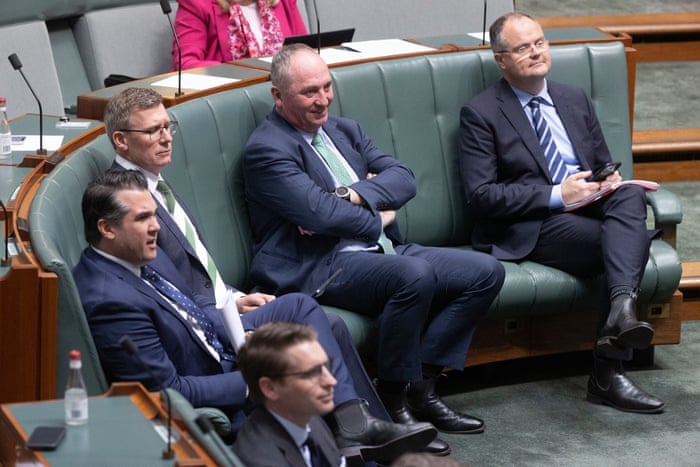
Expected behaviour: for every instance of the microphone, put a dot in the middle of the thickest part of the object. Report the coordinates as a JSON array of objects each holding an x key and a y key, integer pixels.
[
  {"x": 165, "y": 6},
  {"x": 318, "y": 29},
  {"x": 483, "y": 29},
  {"x": 6, "y": 259},
  {"x": 133, "y": 350},
  {"x": 17, "y": 65}
]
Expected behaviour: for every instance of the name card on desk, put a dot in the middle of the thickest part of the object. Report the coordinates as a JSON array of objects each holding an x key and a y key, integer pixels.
[{"x": 194, "y": 81}]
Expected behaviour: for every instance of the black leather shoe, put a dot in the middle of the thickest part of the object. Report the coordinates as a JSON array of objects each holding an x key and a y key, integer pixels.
[
  {"x": 609, "y": 385},
  {"x": 426, "y": 405},
  {"x": 622, "y": 328},
  {"x": 395, "y": 404},
  {"x": 359, "y": 434}
]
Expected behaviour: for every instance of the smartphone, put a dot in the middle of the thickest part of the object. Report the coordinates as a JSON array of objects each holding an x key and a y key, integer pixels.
[
  {"x": 46, "y": 438},
  {"x": 603, "y": 172}
]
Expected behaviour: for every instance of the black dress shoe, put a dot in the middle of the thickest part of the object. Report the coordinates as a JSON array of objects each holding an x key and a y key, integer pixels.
[
  {"x": 360, "y": 435},
  {"x": 609, "y": 385},
  {"x": 426, "y": 405},
  {"x": 395, "y": 404},
  {"x": 622, "y": 328}
]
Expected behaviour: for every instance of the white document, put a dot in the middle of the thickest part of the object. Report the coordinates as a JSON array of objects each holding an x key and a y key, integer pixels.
[
  {"x": 364, "y": 50},
  {"x": 480, "y": 35},
  {"x": 232, "y": 322},
  {"x": 194, "y": 81},
  {"x": 31, "y": 142}
]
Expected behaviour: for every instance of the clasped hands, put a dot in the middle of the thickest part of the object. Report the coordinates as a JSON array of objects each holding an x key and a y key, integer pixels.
[{"x": 575, "y": 187}]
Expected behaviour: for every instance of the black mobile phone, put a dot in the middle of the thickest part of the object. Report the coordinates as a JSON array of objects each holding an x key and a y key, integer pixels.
[
  {"x": 603, "y": 172},
  {"x": 46, "y": 438}
]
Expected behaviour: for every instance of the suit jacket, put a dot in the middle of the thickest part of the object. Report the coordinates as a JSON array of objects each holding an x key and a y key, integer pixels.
[
  {"x": 202, "y": 30},
  {"x": 119, "y": 303},
  {"x": 287, "y": 185},
  {"x": 502, "y": 165},
  {"x": 263, "y": 442}
]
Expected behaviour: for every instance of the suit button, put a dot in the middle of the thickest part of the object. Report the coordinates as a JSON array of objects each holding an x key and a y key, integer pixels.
[{"x": 208, "y": 285}]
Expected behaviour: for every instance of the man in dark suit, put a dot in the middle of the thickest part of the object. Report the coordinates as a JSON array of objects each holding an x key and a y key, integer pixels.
[
  {"x": 287, "y": 372},
  {"x": 128, "y": 286},
  {"x": 323, "y": 200},
  {"x": 528, "y": 147}
]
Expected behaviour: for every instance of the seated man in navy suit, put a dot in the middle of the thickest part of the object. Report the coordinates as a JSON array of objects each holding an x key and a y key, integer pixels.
[
  {"x": 128, "y": 286},
  {"x": 323, "y": 200},
  {"x": 528, "y": 147}
]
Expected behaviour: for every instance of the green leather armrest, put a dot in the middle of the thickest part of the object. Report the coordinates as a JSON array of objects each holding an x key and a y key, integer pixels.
[{"x": 666, "y": 206}]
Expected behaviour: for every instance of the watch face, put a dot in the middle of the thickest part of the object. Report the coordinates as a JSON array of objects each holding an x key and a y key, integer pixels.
[{"x": 342, "y": 192}]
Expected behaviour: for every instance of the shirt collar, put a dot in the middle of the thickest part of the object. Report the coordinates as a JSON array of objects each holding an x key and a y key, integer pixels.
[
  {"x": 125, "y": 264},
  {"x": 297, "y": 433},
  {"x": 525, "y": 97},
  {"x": 151, "y": 178}
]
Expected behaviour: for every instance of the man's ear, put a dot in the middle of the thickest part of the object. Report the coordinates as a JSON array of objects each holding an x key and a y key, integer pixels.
[
  {"x": 105, "y": 228},
  {"x": 269, "y": 388},
  {"x": 118, "y": 137},
  {"x": 499, "y": 61}
]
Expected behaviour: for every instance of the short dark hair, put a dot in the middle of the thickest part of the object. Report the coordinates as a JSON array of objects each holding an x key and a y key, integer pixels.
[
  {"x": 496, "y": 29},
  {"x": 100, "y": 201},
  {"x": 265, "y": 353}
]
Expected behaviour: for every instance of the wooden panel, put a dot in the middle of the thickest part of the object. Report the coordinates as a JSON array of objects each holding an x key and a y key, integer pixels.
[{"x": 20, "y": 335}]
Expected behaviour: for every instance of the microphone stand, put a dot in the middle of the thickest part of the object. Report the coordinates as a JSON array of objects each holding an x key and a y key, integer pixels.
[
  {"x": 165, "y": 6},
  {"x": 17, "y": 65},
  {"x": 483, "y": 28},
  {"x": 133, "y": 350},
  {"x": 318, "y": 29}
]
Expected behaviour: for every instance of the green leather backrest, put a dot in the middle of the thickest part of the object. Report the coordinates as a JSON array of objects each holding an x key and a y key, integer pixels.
[
  {"x": 57, "y": 239},
  {"x": 410, "y": 108}
]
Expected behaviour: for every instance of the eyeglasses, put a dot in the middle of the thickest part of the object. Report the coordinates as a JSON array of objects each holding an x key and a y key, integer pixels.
[
  {"x": 156, "y": 131},
  {"x": 542, "y": 44},
  {"x": 313, "y": 373}
]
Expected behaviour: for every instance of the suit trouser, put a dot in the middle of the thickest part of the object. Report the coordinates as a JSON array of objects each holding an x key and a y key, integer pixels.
[
  {"x": 334, "y": 337},
  {"x": 428, "y": 300},
  {"x": 609, "y": 236}
]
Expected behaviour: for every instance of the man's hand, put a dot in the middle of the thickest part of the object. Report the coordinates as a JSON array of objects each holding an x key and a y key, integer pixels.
[
  {"x": 575, "y": 187},
  {"x": 387, "y": 217},
  {"x": 248, "y": 303},
  {"x": 303, "y": 231},
  {"x": 610, "y": 179}
]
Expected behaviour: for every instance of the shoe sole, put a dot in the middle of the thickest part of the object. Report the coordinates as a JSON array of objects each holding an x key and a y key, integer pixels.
[
  {"x": 474, "y": 431},
  {"x": 596, "y": 399},
  {"x": 638, "y": 337},
  {"x": 388, "y": 452}
]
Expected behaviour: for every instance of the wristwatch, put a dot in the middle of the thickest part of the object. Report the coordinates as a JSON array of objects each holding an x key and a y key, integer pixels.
[{"x": 343, "y": 192}]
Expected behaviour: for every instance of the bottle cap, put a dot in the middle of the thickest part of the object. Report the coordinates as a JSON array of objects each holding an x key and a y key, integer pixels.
[{"x": 74, "y": 355}]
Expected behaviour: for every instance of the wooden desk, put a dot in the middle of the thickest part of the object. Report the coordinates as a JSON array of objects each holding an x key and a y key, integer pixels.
[
  {"x": 92, "y": 105},
  {"x": 121, "y": 430},
  {"x": 658, "y": 37}
]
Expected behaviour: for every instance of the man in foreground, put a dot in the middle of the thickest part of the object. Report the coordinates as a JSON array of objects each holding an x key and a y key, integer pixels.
[{"x": 528, "y": 147}]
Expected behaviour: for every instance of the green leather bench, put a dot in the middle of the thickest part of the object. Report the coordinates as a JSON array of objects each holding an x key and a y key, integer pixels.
[{"x": 410, "y": 108}]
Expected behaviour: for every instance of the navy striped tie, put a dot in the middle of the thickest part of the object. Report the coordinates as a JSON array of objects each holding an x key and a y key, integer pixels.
[{"x": 555, "y": 163}]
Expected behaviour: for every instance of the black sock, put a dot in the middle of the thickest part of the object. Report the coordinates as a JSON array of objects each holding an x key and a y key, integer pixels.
[{"x": 431, "y": 371}]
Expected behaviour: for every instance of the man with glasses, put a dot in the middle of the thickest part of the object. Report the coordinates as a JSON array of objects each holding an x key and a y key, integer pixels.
[
  {"x": 288, "y": 374},
  {"x": 146, "y": 147},
  {"x": 529, "y": 146}
]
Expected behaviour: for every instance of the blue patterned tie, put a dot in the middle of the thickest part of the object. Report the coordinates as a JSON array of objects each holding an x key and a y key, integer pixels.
[
  {"x": 186, "y": 303},
  {"x": 555, "y": 163}
]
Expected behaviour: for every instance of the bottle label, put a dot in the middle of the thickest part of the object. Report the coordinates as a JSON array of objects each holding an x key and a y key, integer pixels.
[{"x": 5, "y": 144}]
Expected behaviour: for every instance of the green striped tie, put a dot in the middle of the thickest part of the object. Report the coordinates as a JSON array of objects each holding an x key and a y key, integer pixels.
[{"x": 345, "y": 179}]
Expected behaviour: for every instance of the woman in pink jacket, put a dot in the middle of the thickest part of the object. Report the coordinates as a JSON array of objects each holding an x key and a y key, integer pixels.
[{"x": 215, "y": 31}]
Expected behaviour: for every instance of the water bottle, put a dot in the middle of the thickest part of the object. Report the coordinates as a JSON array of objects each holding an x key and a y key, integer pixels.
[
  {"x": 5, "y": 132},
  {"x": 76, "y": 398}
]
